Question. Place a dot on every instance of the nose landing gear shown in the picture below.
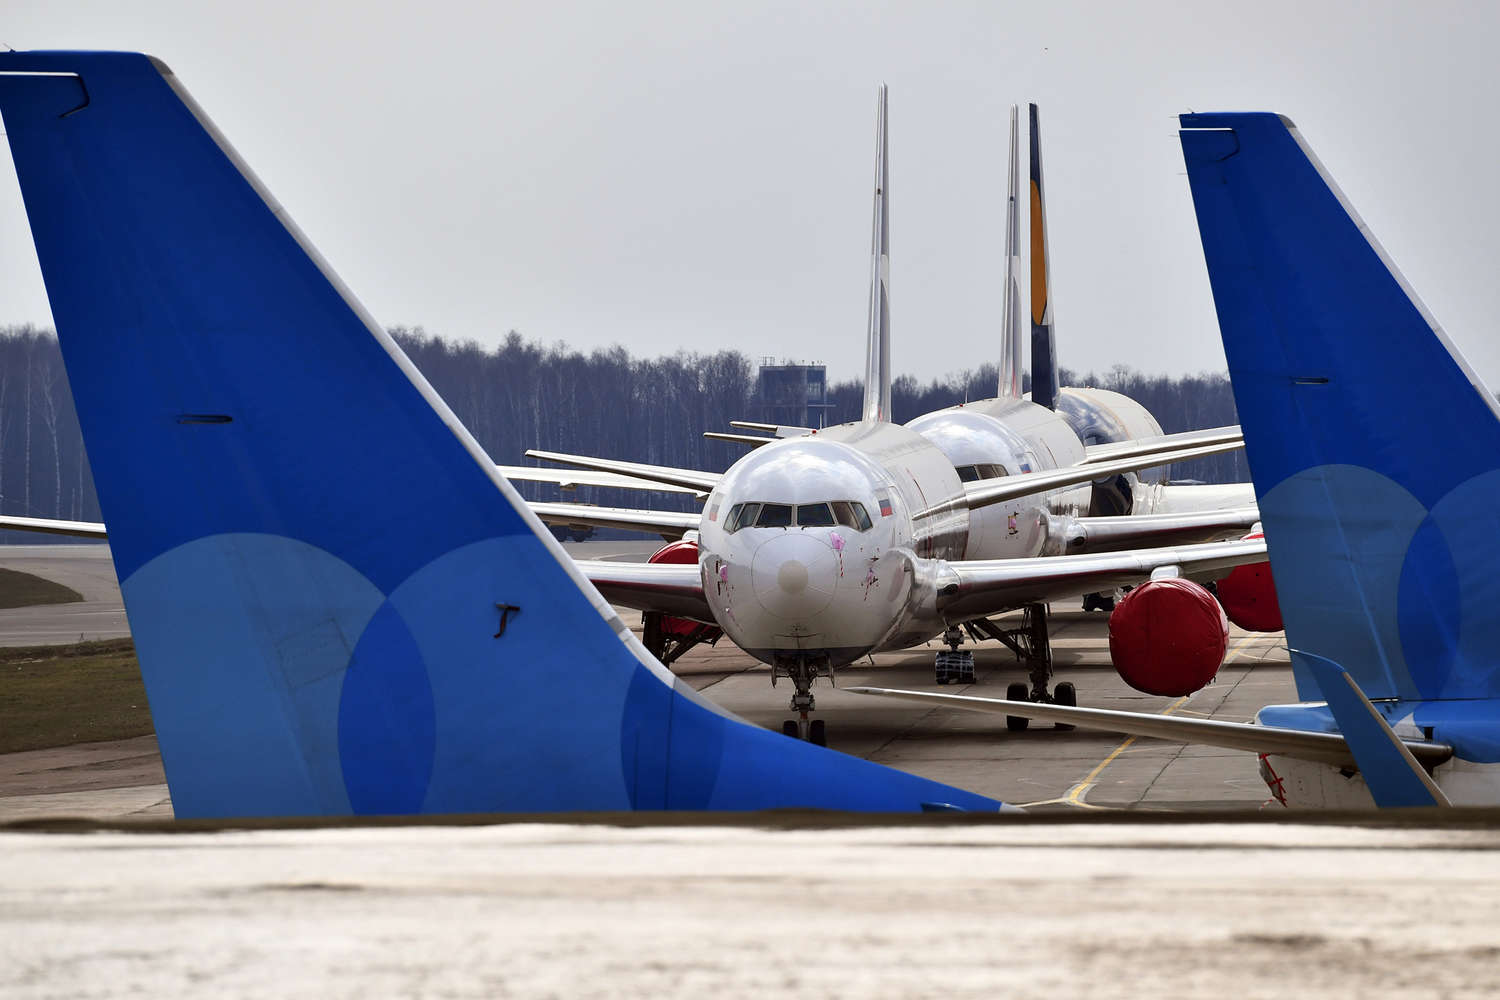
(802, 671)
(954, 664)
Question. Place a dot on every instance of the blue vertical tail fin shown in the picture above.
(339, 606)
(1374, 447)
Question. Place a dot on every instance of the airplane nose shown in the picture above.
(794, 575)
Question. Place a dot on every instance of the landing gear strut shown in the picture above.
(954, 664)
(802, 671)
(1032, 647)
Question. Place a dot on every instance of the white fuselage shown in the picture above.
(809, 546)
(1005, 437)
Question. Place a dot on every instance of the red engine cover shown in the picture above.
(1168, 637)
(676, 553)
(1249, 597)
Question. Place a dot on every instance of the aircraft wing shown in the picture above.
(667, 523)
(982, 587)
(688, 478)
(48, 526)
(674, 589)
(570, 479)
(1324, 748)
(1111, 534)
(984, 492)
(1167, 442)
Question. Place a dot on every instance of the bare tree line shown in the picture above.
(522, 395)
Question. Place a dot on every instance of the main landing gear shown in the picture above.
(1032, 647)
(802, 671)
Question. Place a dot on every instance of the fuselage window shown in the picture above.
(814, 515)
(774, 515)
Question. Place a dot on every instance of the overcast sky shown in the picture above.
(697, 176)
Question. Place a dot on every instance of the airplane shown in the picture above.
(339, 605)
(814, 550)
(1375, 451)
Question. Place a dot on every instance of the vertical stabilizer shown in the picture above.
(339, 605)
(1374, 447)
(1044, 378)
(1010, 335)
(878, 349)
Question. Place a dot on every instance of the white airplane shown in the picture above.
(815, 550)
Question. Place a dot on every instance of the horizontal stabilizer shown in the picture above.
(1322, 748)
(1395, 777)
(686, 478)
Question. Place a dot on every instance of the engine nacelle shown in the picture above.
(1168, 637)
(677, 553)
(1249, 596)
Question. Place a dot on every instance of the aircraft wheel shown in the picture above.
(1065, 694)
(818, 733)
(942, 679)
(789, 728)
(1017, 691)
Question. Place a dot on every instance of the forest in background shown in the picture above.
(522, 394)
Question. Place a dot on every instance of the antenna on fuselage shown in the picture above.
(1044, 380)
(878, 348)
(1010, 333)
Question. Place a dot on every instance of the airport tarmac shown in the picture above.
(85, 568)
(1042, 768)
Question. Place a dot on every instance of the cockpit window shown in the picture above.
(774, 515)
(741, 515)
(985, 470)
(851, 515)
(814, 515)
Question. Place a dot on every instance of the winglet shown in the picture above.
(1393, 775)
(1010, 310)
(1044, 376)
(878, 347)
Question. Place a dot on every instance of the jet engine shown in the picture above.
(678, 553)
(1248, 595)
(1168, 637)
